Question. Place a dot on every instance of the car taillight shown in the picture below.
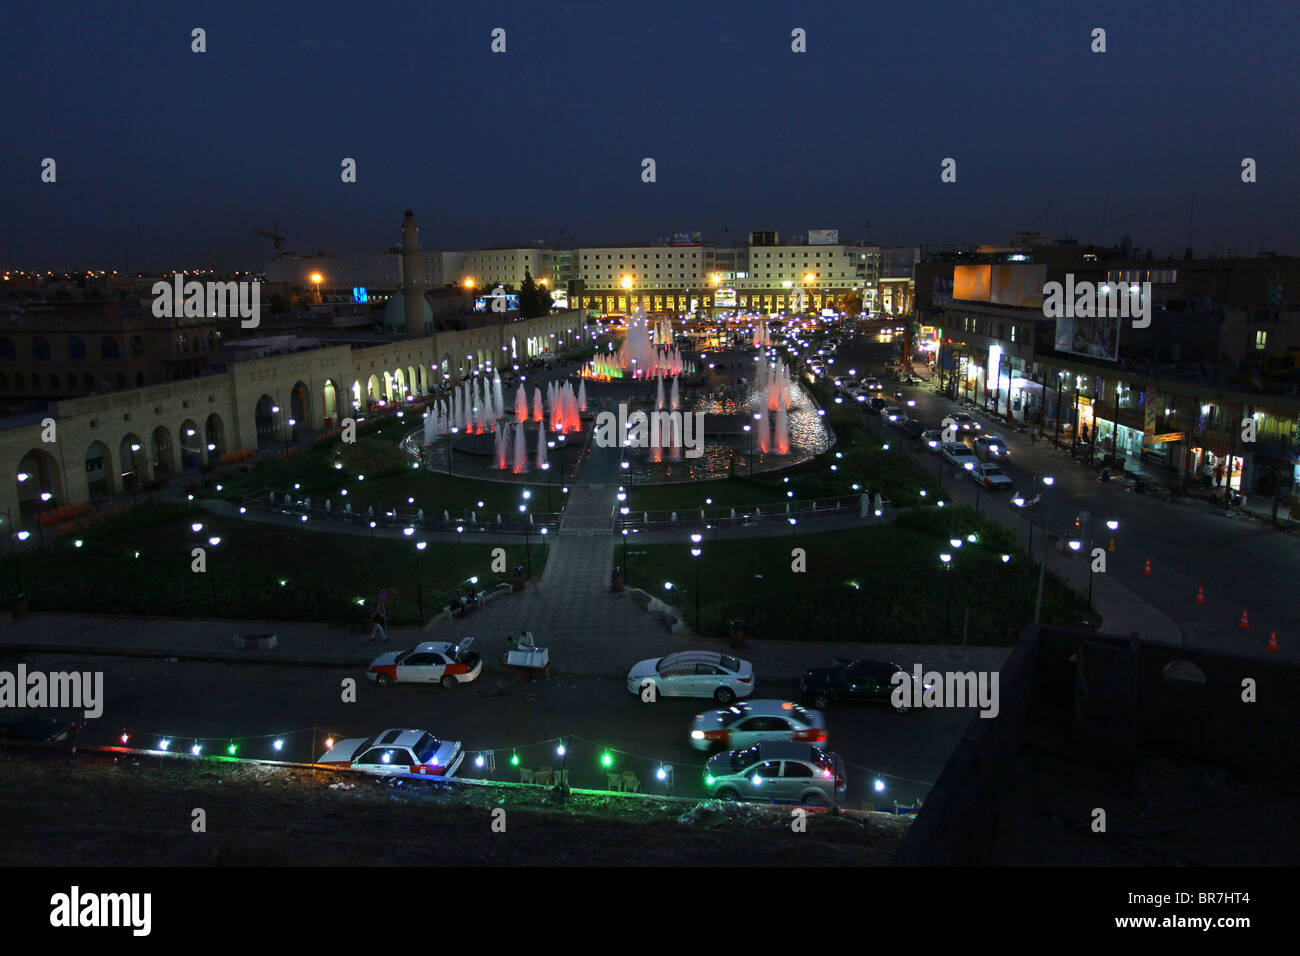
(432, 768)
(745, 680)
(723, 735)
(810, 735)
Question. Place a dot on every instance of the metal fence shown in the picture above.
(779, 511)
(462, 522)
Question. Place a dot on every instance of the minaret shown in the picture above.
(412, 277)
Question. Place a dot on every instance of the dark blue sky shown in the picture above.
(191, 152)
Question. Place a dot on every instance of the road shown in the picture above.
(219, 703)
(1240, 564)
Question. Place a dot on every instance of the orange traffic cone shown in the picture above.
(1147, 569)
(1272, 640)
(1200, 594)
(1243, 622)
(1077, 526)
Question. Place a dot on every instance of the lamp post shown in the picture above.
(13, 551)
(546, 467)
(213, 542)
(453, 430)
(695, 553)
(947, 569)
(528, 547)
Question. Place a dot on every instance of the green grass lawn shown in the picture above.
(259, 571)
(884, 584)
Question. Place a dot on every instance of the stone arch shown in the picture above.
(300, 406)
(134, 461)
(399, 385)
(40, 474)
(99, 470)
(214, 435)
(329, 402)
(163, 451)
(264, 421)
(356, 393)
(372, 389)
(191, 444)
(387, 394)
(412, 381)
(444, 370)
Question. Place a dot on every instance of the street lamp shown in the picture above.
(450, 438)
(13, 551)
(419, 583)
(947, 567)
(695, 553)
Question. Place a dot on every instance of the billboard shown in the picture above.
(823, 237)
(1096, 336)
(686, 239)
(765, 238)
(724, 298)
(1019, 285)
(971, 283)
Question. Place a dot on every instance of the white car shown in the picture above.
(991, 448)
(990, 476)
(397, 753)
(433, 662)
(960, 455)
(694, 674)
(894, 414)
(743, 725)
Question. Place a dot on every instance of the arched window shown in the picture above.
(18, 380)
(7, 350)
(137, 346)
(36, 381)
(40, 349)
(139, 381)
(72, 382)
(108, 347)
(88, 381)
(182, 344)
(76, 348)
(121, 380)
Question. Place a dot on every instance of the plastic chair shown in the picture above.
(543, 777)
(615, 781)
(525, 776)
(562, 778)
(631, 784)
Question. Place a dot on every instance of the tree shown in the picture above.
(534, 300)
(851, 303)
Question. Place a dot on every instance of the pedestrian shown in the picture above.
(526, 638)
(1218, 475)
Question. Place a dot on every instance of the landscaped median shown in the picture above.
(143, 563)
(882, 584)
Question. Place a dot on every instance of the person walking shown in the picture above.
(1218, 475)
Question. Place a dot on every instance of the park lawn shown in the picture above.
(883, 584)
(325, 575)
(690, 496)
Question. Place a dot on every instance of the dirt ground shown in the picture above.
(56, 810)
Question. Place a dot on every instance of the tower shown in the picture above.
(412, 277)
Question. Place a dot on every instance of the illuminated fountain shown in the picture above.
(521, 451)
(537, 404)
(521, 405)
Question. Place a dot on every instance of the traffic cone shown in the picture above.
(1147, 569)
(1077, 526)
(1272, 640)
(1200, 594)
(1243, 622)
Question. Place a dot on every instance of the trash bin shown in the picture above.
(736, 632)
(20, 607)
(616, 580)
(519, 578)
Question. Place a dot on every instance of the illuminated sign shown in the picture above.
(359, 294)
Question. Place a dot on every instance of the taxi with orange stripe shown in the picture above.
(433, 662)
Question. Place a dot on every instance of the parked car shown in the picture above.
(864, 680)
(872, 384)
(743, 725)
(990, 476)
(959, 455)
(777, 770)
(892, 413)
(694, 674)
(991, 448)
(912, 428)
(933, 439)
(876, 404)
(964, 422)
(397, 753)
(433, 662)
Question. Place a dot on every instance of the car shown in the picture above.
(959, 455)
(933, 439)
(911, 428)
(777, 770)
(991, 448)
(871, 384)
(433, 662)
(743, 725)
(396, 753)
(964, 422)
(876, 404)
(990, 476)
(694, 674)
(892, 413)
(864, 679)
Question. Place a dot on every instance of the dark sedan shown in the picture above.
(861, 680)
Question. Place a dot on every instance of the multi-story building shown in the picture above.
(71, 349)
(1174, 395)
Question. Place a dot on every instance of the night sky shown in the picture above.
(187, 153)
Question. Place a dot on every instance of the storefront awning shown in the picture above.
(1164, 439)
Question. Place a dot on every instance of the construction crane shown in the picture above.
(273, 234)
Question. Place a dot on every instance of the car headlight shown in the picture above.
(697, 735)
